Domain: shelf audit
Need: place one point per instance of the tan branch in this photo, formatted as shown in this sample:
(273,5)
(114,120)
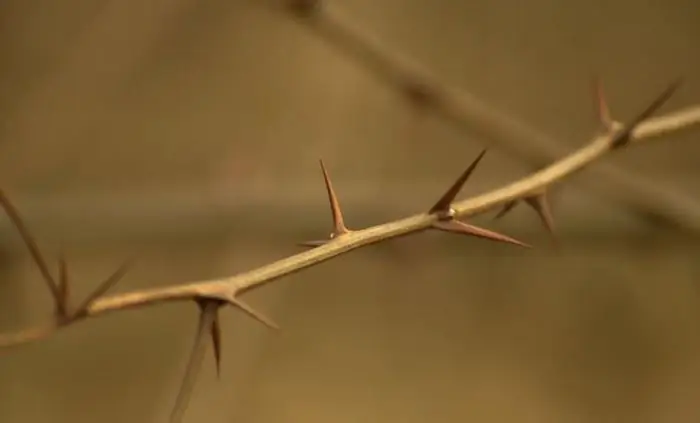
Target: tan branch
(226,289)
(462,108)
(210,295)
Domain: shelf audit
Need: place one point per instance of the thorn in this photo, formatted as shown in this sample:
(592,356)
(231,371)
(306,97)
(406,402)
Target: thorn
(31,245)
(63,287)
(314,243)
(539,203)
(507,207)
(304,8)
(455,226)
(623,137)
(338,222)
(603,110)
(102,288)
(216,341)
(207,316)
(250,311)
(443,204)
(339,227)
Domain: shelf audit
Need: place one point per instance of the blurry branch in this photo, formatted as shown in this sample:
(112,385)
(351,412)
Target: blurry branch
(211,295)
(645,196)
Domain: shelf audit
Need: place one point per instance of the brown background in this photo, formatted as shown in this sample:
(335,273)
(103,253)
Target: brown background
(186,134)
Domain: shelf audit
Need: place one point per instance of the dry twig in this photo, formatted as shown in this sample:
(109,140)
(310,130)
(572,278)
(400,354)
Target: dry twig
(211,295)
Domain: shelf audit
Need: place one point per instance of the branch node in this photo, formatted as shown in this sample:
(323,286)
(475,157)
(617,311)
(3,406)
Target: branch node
(446,213)
(443,207)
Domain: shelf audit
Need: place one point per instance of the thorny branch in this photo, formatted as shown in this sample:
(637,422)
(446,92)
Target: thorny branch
(642,195)
(444,215)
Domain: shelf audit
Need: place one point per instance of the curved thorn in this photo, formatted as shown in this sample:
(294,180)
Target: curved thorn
(253,313)
(623,137)
(443,204)
(338,221)
(455,226)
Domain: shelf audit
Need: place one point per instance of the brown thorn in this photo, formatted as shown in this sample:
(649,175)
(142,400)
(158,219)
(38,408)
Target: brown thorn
(623,137)
(455,226)
(603,110)
(304,8)
(541,206)
(207,316)
(338,222)
(250,311)
(216,342)
(507,207)
(31,245)
(115,277)
(443,204)
(313,244)
(63,287)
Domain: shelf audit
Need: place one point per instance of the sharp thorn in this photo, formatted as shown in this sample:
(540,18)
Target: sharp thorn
(208,314)
(507,207)
(102,288)
(338,221)
(455,226)
(31,245)
(253,313)
(313,244)
(443,204)
(541,206)
(63,287)
(623,137)
(603,110)
(216,342)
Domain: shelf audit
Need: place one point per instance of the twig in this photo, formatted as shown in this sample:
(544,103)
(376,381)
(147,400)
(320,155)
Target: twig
(643,195)
(443,215)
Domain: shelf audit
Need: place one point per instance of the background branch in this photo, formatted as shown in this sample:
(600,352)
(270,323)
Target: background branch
(645,196)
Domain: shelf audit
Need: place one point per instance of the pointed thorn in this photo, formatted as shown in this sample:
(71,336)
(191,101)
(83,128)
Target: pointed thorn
(102,288)
(216,342)
(313,244)
(253,313)
(443,204)
(455,226)
(623,137)
(338,221)
(603,110)
(63,287)
(31,244)
(507,207)
(541,206)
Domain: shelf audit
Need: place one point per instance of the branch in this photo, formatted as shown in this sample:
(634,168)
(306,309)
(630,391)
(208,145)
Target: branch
(210,295)
(423,88)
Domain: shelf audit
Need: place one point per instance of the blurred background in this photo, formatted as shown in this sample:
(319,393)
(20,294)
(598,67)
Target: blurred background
(186,134)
